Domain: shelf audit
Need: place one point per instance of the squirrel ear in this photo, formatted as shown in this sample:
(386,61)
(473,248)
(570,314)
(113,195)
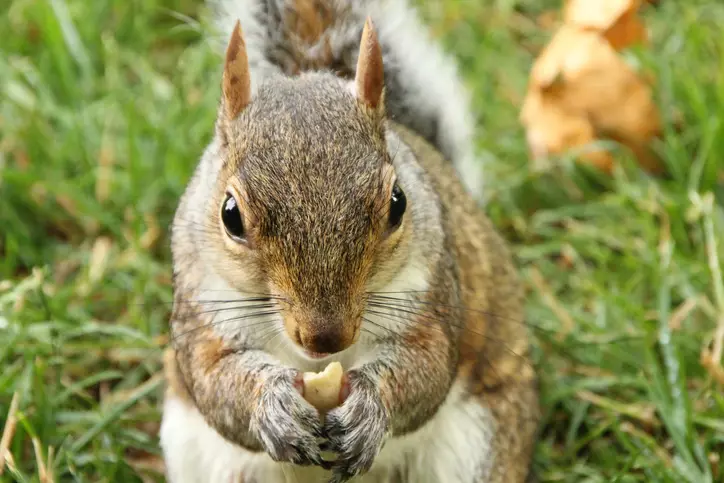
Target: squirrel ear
(237,83)
(370,78)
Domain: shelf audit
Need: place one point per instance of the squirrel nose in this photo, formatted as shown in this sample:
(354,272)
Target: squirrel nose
(328,340)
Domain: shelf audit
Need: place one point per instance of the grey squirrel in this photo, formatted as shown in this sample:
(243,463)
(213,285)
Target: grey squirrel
(327,221)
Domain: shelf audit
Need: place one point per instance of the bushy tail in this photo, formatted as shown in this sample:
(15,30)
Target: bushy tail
(423,89)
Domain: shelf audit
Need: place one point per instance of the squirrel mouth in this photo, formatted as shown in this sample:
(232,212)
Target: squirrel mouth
(316,355)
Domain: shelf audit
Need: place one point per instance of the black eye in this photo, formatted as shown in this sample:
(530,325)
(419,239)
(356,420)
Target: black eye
(231,216)
(398,204)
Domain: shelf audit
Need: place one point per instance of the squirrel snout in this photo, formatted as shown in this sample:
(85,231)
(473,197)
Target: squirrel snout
(327,340)
(322,332)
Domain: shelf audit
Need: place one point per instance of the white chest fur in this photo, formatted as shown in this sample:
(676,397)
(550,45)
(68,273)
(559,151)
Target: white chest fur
(454,447)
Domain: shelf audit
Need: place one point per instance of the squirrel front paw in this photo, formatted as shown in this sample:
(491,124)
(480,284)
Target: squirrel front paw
(286,425)
(357,429)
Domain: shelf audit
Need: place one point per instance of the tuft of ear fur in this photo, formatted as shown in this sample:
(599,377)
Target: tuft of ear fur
(236,86)
(370,77)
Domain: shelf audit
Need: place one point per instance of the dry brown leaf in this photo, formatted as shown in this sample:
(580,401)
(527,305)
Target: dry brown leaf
(550,64)
(596,14)
(578,84)
(618,102)
(596,80)
(616,20)
(553,130)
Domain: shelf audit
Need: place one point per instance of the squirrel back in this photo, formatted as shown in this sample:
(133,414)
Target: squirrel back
(423,90)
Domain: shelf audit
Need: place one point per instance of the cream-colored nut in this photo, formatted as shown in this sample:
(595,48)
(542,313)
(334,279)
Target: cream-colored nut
(321,389)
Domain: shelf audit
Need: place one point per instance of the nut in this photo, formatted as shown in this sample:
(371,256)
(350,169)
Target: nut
(321,389)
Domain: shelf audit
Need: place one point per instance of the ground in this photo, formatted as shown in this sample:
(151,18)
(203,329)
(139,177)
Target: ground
(104,108)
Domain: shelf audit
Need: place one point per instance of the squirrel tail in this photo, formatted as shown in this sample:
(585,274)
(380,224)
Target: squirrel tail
(424,91)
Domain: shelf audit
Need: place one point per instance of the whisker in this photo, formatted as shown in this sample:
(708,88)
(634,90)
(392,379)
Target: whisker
(256,298)
(425,316)
(265,294)
(566,352)
(409,323)
(380,326)
(233,319)
(579,342)
(259,298)
(224,301)
(269,334)
(368,331)
(276,334)
(439,320)
(392,302)
(226,309)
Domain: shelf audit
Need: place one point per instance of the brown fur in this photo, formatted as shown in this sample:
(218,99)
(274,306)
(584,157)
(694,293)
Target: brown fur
(175,385)
(494,349)
(236,85)
(317,308)
(307,22)
(370,78)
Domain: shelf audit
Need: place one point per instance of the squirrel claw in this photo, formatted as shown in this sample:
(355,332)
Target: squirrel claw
(357,429)
(286,425)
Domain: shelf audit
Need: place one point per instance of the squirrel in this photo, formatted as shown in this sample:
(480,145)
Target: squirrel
(328,220)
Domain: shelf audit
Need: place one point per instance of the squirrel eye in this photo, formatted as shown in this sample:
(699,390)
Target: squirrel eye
(398,204)
(231,217)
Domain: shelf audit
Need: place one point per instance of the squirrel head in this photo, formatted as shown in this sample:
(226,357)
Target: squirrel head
(307,204)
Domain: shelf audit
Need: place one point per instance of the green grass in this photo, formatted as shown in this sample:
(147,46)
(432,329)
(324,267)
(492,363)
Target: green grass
(104,109)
